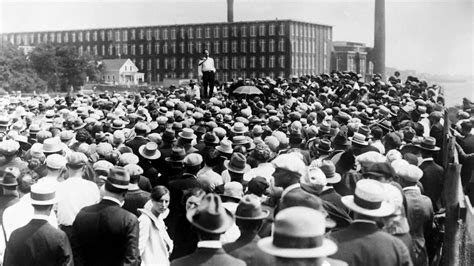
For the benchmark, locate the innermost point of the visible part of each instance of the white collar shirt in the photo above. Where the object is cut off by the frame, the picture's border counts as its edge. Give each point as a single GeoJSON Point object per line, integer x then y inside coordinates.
{"type": "Point", "coordinates": [207, 64]}
{"type": "Point", "coordinates": [288, 189]}
{"type": "Point", "coordinates": [209, 244]}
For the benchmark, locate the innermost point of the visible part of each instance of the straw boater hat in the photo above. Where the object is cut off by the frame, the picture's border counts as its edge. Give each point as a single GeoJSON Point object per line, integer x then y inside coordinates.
{"type": "Point", "coordinates": [211, 216]}
{"type": "Point", "coordinates": [187, 133]}
{"type": "Point", "coordinates": [298, 233]}
{"type": "Point", "coordinates": [42, 194]}
{"type": "Point", "coordinates": [177, 155]}
{"type": "Point", "coordinates": [359, 139]}
{"type": "Point", "coordinates": [149, 151]}
{"type": "Point", "coordinates": [368, 199]}
{"type": "Point", "coordinates": [428, 144]}
{"type": "Point", "coordinates": [239, 128]}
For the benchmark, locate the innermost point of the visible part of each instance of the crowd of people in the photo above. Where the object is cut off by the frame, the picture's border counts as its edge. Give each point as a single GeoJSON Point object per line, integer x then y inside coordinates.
{"type": "Point", "coordinates": [314, 170]}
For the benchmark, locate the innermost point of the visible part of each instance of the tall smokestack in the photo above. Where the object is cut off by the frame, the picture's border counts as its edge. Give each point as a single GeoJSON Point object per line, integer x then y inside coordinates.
{"type": "Point", "coordinates": [379, 38]}
{"type": "Point", "coordinates": [230, 10]}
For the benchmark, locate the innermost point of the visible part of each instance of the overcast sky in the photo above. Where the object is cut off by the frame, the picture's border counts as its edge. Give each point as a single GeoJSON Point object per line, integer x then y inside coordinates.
{"type": "Point", "coordinates": [425, 35]}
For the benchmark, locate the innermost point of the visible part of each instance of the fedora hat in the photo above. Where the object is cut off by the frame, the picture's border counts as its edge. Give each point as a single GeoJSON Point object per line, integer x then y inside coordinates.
{"type": "Point", "coordinates": [240, 140]}
{"type": "Point", "coordinates": [340, 140]}
{"type": "Point", "coordinates": [250, 208]}
{"type": "Point", "coordinates": [233, 192]}
{"type": "Point", "coordinates": [177, 155]}
{"type": "Point", "coordinates": [118, 177]}
{"type": "Point", "coordinates": [359, 138]}
{"type": "Point", "coordinates": [225, 147]}
{"type": "Point", "coordinates": [428, 144]}
{"type": "Point", "coordinates": [42, 194]}
{"type": "Point", "coordinates": [324, 128]}
{"type": "Point", "coordinates": [239, 128]}
{"type": "Point", "coordinates": [211, 216]}
{"type": "Point", "coordinates": [187, 133]}
{"type": "Point", "coordinates": [210, 138]}
{"type": "Point", "coordinates": [10, 176]}
{"type": "Point", "coordinates": [324, 146]}
{"type": "Point", "coordinates": [298, 233]}
{"type": "Point", "coordinates": [237, 163]}
{"type": "Point", "coordinates": [329, 170]}
{"type": "Point", "coordinates": [52, 145]}
{"type": "Point", "coordinates": [386, 125]}
{"type": "Point", "coordinates": [149, 151]}
{"type": "Point", "coordinates": [368, 199]}
{"type": "Point", "coordinates": [364, 130]}
{"type": "Point", "coordinates": [78, 124]}
{"type": "Point", "coordinates": [169, 136]}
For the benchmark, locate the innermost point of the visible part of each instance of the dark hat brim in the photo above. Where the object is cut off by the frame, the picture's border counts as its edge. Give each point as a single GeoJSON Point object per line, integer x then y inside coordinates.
{"type": "Point", "coordinates": [228, 221]}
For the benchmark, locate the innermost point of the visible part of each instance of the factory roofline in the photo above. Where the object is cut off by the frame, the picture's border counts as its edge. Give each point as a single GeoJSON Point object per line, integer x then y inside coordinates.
{"type": "Point", "coordinates": [171, 25]}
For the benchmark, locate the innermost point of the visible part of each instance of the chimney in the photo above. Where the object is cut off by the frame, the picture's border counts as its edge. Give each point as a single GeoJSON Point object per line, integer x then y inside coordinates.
{"type": "Point", "coordinates": [230, 10]}
{"type": "Point", "coordinates": [379, 38]}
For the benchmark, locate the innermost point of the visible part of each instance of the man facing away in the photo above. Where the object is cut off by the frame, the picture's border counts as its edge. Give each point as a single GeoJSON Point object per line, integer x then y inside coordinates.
{"type": "Point", "coordinates": [207, 71]}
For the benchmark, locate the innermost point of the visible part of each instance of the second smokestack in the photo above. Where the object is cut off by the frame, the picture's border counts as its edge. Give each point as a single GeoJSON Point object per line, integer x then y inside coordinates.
{"type": "Point", "coordinates": [230, 10]}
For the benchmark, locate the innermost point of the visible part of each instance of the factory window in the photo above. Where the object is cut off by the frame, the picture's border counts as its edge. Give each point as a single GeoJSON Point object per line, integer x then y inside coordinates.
{"type": "Point", "coordinates": [157, 34]}
{"type": "Point", "coordinates": [271, 62]}
{"type": "Point", "coordinates": [271, 29]}
{"type": "Point", "coordinates": [117, 49]}
{"type": "Point", "coordinates": [216, 62]}
{"type": "Point", "coordinates": [38, 37]}
{"type": "Point", "coordinates": [271, 46]}
{"type": "Point", "coordinates": [80, 37]}
{"type": "Point", "coordinates": [253, 31]}
{"type": "Point", "coordinates": [158, 77]}
{"type": "Point", "coordinates": [225, 32]}
{"type": "Point", "coordinates": [243, 46]}
{"type": "Point", "coordinates": [148, 48]}
{"type": "Point", "coordinates": [243, 31]}
{"type": "Point", "coordinates": [45, 38]}
{"type": "Point", "coordinates": [181, 47]}
{"type": "Point", "coordinates": [103, 50]}
{"type": "Point", "coordinates": [148, 64]}
{"type": "Point", "coordinates": [234, 62]}
{"type": "Point", "coordinates": [165, 34]}
{"type": "Point", "coordinates": [225, 47]}
{"type": "Point", "coordinates": [198, 32]}
{"type": "Point", "coordinates": [157, 63]}
{"type": "Point", "coordinates": [94, 36]}
{"type": "Point", "coordinates": [181, 63]}
{"type": "Point", "coordinates": [117, 36]}
{"type": "Point", "coordinates": [252, 62]}
{"type": "Point", "coordinates": [261, 30]}
{"type": "Point", "coordinates": [165, 66]}
{"type": "Point", "coordinates": [95, 50]}
{"type": "Point", "coordinates": [66, 37]}
{"type": "Point", "coordinates": [165, 48]}
{"type": "Point", "coordinates": [173, 63]}
{"type": "Point", "coordinates": [253, 46]}
{"type": "Point", "coordinates": [216, 47]}
{"type": "Point", "coordinates": [51, 38]}
{"type": "Point", "coordinates": [281, 61]}
{"type": "Point", "coordinates": [111, 50]}
{"type": "Point", "coordinates": [262, 61]}
{"type": "Point", "coordinates": [234, 75]}
{"type": "Point", "coordinates": [198, 47]}
{"type": "Point", "coordinates": [225, 62]}
{"type": "Point", "coordinates": [102, 35]}
{"type": "Point", "coordinates": [157, 48]}
{"type": "Point", "coordinates": [243, 62]}
{"type": "Point", "coordinates": [234, 47]}
{"type": "Point", "coordinates": [141, 64]}
{"type": "Point", "coordinates": [140, 48]}
{"type": "Point", "coordinates": [190, 47]}
{"type": "Point", "coordinates": [88, 36]}
{"type": "Point", "coordinates": [207, 45]}
{"type": "Point", "coordinates": [191, 64]}
{"type": "Point", "coordinates": [325, 48]}
{"type": "Point", "coordinates": [109, 35]}
{"type": "Point", "coordinates": [58, 38]}
{"type": "Point", "coordinates": [173, 34]}
{"type": "Point", "coordinates": [132, 49]}
{"type": "Point", "coordinates": [225, 76]}
{"type": "Point", "coordinates": [281, 45]}
{"type": "Point", "coordinates": [173, 47]}
{"type": "Point", "coordinates": [80, 50]}
{"type": "Point", "coordinates": [141, 34]}
{"type": "Point", "coordinates": [216, 32]}
{"type": "Point", "coordinates": [190, 33]}
{"type": "Point", "coordinates": [234, 31]}
{"type": "Point", "coordinates": [262, 46]}
{"type": "Point", "coordinates": [207, 32]}
{"type": "Point", "coordinates": [148, 35]}
{"type": "Point", "coordinates": [125, 49]}
{"type": "Point", "coordinates": [182, 33]}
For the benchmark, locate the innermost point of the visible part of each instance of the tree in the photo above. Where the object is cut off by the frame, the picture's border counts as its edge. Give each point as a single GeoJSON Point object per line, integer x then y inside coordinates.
{"type": "Point", "coordinates": [62, 67]}
{"type": "Point", "coordinates": [16, 72]}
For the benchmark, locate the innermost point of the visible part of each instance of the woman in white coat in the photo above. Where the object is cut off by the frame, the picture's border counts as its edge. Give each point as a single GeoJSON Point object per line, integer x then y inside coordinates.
{"type": "Point", "coordinates": [154, 242]}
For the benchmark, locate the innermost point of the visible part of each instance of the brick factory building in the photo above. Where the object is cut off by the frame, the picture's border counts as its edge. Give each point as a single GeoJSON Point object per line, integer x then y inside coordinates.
{"type": "Point", "coordinates": [241, 49]}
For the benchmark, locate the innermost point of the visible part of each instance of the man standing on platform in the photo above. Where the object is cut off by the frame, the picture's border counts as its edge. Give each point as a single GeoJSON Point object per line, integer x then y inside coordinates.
{"type": "Point", "coordinates": [207, 71]}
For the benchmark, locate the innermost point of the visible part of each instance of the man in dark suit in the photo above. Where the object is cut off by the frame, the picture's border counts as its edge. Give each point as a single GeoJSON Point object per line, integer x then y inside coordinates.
{"type": "Point", "coordinates": [249, 218]}
{"type": "Point", "coordinates": [467, 144]}
{"type": "Point", "coordinates": [141, 129]}
{"type": "Point", "coordinates": [363, 243]}
{"type": "Point", "coordinates": [436, 131]}
{"type": "Point", "coordinates": [211, 220]}
{"type": "Point", "coordinates": [419, 212]}
{"type": "Point", "coordinates": [38, 242]}
{"type": "Point", "coordinates": [432, 179]}
{"type": "Point", "coordinates": [104, 233]}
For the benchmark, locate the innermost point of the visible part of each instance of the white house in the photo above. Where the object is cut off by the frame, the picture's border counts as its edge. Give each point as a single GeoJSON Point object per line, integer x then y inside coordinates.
{"type": "Point", "coordinates": [121, 71]}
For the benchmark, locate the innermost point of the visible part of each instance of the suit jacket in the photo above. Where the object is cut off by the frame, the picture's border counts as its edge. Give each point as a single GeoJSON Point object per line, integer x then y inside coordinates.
{"type": "Point", "coordinates": [105, 234]}
{"type": "Point", "coordinates": [38, 243]}
{"type": "Point", "coordinates": [432, 182]}
{"type": "Point", "coordinates": [208, 256]}
{"type": "Point", "coordinates": [246, 249]}
{"type": "Point", "coordinates": [135, 143]}
{"type": "Point", "coordinates": [365, 244]}
{"type": "Point", "coordinates": [330, 195]}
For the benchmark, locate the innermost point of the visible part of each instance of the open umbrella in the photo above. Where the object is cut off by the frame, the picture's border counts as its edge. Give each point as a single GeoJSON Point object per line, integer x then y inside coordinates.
{"type": "Point", "coordinates": [248, 90]}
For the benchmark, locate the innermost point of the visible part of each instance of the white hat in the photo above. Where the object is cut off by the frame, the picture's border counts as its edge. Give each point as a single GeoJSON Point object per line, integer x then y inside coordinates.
{"type": "Point", "coordinates": [42, 194]}
{"type": "Point", "coordinates": [302, 226]}
{"type": "Point", "coordinates": [290, 162]}
{"type": "Point", "coordinates": [410, 173]}
{"type": "Point", "coordinates": [369, 199]}
{"type": "Point", "coordinates": [55, 161]}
